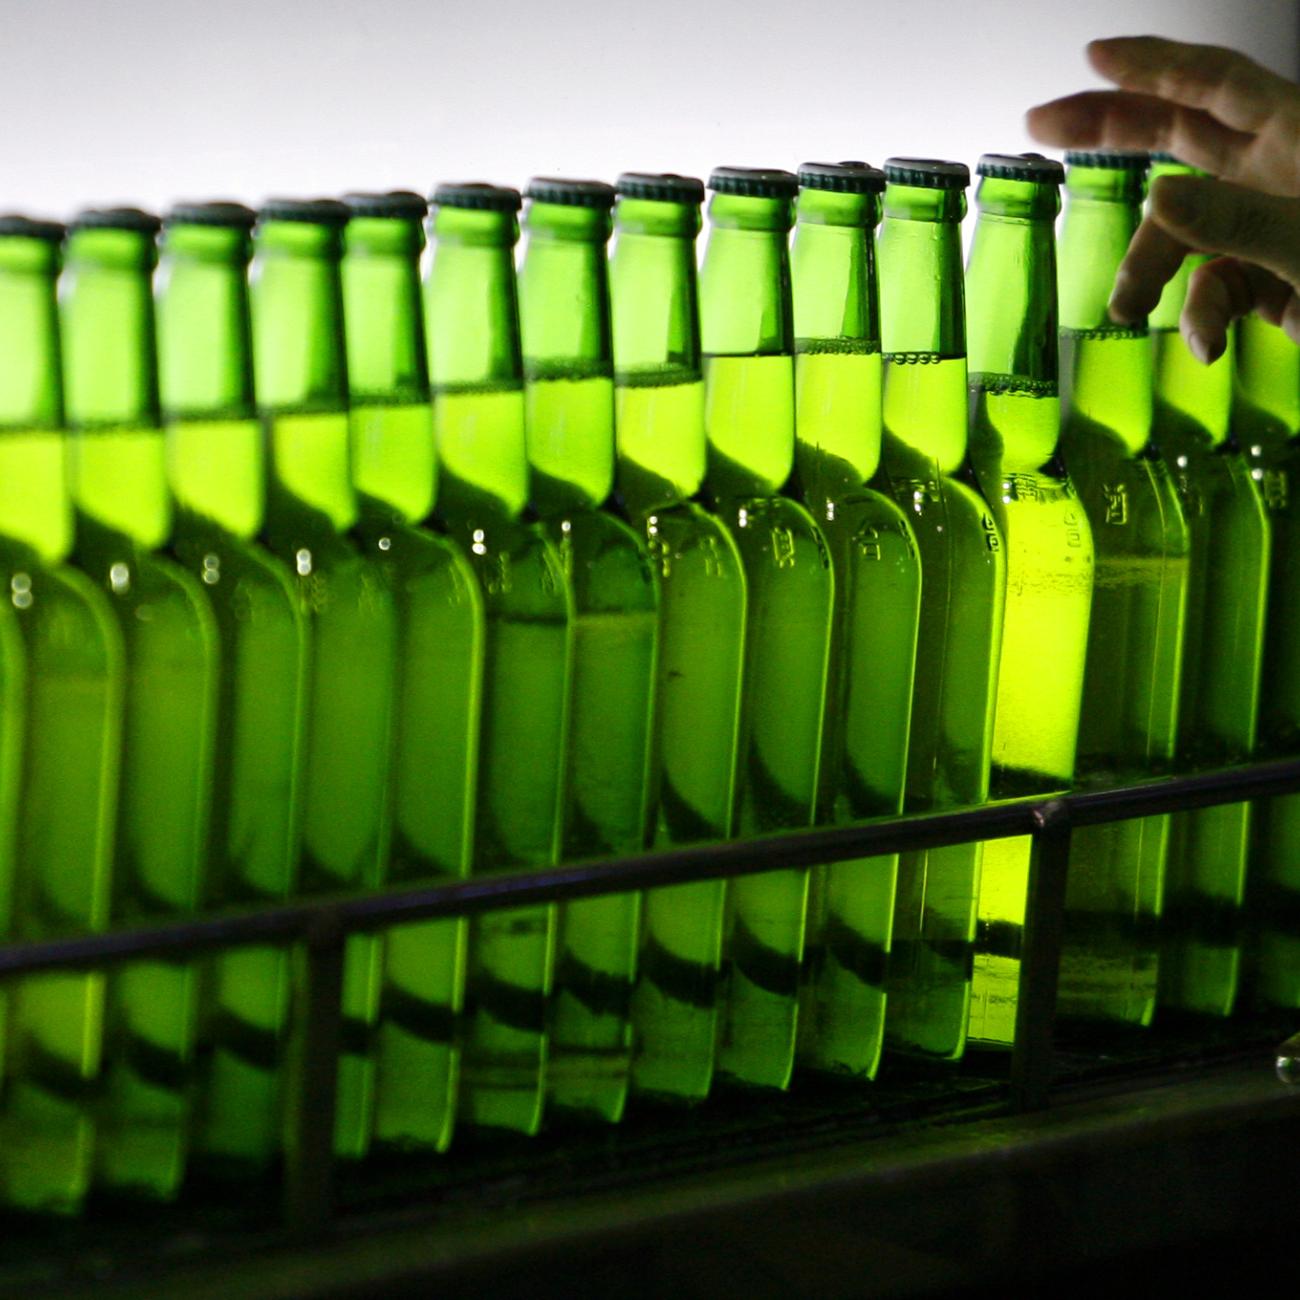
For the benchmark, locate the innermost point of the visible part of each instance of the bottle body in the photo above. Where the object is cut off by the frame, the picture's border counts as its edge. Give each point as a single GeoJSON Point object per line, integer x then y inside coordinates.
{"type": "Point", "coordinates": [1266, 414]}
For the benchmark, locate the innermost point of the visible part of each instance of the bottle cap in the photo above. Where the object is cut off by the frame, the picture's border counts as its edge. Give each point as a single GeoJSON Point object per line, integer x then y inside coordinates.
{"type": "Point", "coordinates": [143, 223]}
{"type": "Point", "coordinates": [572, 194]}
{"type": "Point", "coordinates": [929, 173]}
{"type": "Point", "coordinates": [1032, 167]}
{"type": "Point", "coordinates": [320, 212]}
{"type": "Point", "coordinates": [219, 212]}
{"type": "Point", "coordinates": [754, 182]}
{"type": "Point", "coordinates": [1126, 160]}
{"type": "Point", "coordinates": [401, 204]}
{"type": "Point", "coordinates": [843, 178]}
{"type": "Point", "coordinates": [477, 195]}
{"type": "Point", "coordinates": [663, 187]}
{"type": "Point", "coordinates": [14, 225]}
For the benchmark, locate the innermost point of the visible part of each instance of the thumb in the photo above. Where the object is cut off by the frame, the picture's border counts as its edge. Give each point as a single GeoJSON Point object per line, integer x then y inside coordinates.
{"type": "Point", "coordinates": [1213, 216]}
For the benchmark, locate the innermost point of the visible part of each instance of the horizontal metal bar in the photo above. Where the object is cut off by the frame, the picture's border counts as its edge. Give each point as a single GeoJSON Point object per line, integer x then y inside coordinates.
{"type": "Point", "coordinates": [290, 922]}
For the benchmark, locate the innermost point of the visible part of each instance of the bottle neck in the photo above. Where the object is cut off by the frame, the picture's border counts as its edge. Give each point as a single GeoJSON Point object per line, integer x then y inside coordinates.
{"type": "Point", "coordinates": [837, 344]}
{"type": "Point", "coordinates": [119, 480]}
{"type": "Point", "coordinates": [215, 462]}
{"type": "Point", "coordinates": [301, 368]}
{"type": "Point", "coordinates": [922, 329]}
{"type": "Point", "coordinates": [35, 511]}
{"type": "Point", "coordinates": [393, 463]}
{"type": "Point", "coordinates": [656, 342]}
{"type": "Point", "coordinates": [1187, 392]}
{"type": "Point", "coordinates": [1268, 384]}
{"type": "Point", "coordinates": [1106, 370]}
{"type": "Point", "coordinates": [747, 336]}
{"type": "Point", "coordinates": [474, 363]}
{"type": "Point", "coordinates": [1012, 324]}
{"type": "Point", "coordinates": [567, 354]}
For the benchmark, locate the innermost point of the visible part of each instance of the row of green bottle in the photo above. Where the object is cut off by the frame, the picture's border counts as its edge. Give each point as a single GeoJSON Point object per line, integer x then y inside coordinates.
{"type": "Point", "coordinates": [503, 569]}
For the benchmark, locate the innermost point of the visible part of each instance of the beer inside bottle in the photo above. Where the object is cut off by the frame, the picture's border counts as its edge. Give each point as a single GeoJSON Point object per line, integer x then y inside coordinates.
{"type": "Point", "coordinates": [1266, 417]}
{"type": "Point", "coordinates": [302, 395]}
{"type": "Point", "coordinates": [1014, 429]}
{"type": "Point", "coordinates": [962, 591]}
{"type": "Point", "coordinates": [439, 661]}
{"type": "Point", "coordinates": [476, 371]}
{"type": "Point", "coordinates": [124, 519]}
{"type": "Point", "coordinates": [1222, 652]}
{"type": "Point", "coordinates": [1132, 679]}
{"type": "Point", "coordinates": [659, 423]}
{"type": "Point", "coordinates": [569, 403]}
{"type": "Point", "coordinates": [217, 476]}
{"type": "Point", "coordinates": [877, 574]}
{"type": "Point", "coordinates": [747, 336]}
{"type": "Point", "coordinates": [61, 669]}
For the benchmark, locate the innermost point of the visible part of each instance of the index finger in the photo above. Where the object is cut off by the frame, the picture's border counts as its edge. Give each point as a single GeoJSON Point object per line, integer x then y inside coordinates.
{"type": "Point", "coordinates": [1226, 84]}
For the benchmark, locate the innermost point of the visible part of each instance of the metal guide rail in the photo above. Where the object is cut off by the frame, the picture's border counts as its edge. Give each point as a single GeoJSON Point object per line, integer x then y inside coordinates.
{"type": "Point", "coordinates": [322, 926]}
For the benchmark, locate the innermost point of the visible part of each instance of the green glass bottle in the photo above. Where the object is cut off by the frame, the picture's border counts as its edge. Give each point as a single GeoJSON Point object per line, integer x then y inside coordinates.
{"type": "Point", "coordinates": [659, 424]}
{"type": "Point", "coordinates": [877, 601]}
{"type": "Point", "coordinates": [1015, 427]}
{"type": "Point", "coordinates": [61, 667]}
{"type": "Point", "coordinates": [216, 470]}
{"type": "Point", "coordinates": [1222, 653]}
{"type": "Point", "coordinates": [569, 403]}
{"type": "Point", "coordinates": [477, 374]}
{"type": "Point", "coordinates": [1127, 724]}
{"type": "Point", "coordinates": [300, 366]}
{"type": "Point", "coordinates": [439, 661]}
{"type": "Point", "coordinates": [1266, 417]}
{"type": "Point", "coordinates": [747, 335]}
{"type": "Point", "coordinates": [923, 332]}
{"type": "Point", "coordinates": [124, 519]}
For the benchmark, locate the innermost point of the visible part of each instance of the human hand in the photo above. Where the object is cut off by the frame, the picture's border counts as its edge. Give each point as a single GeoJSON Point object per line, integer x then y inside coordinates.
{"type": "Point", "coordinates": [1217, 110]}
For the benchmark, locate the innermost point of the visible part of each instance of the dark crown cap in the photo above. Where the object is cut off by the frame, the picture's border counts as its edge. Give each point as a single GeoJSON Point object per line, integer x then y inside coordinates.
{"type": "Point", "coordinates": [929, 173]}
{"type": "Point", "coordinates": [754, 182]}
{"type": "Point", "coordinates": [1125, 160]}
{"type": "Point", "coordinates": [401, 204]}
{"type": "Point", "coordinates": [662, 187]}
{"type": "Point", "coordinates": [843, 178]}
{"type": "Point", "coordinates": [14, 225]}
{"type": "Point", "coordinates": [572, 194]}
{"type": "Point", "coordinates": [477, 195]}
{"type": "Point", "coordinates": [1031, 167]}
{"type": "Point", "coordinates": [319, 212]}
{"type": "Point", "coordinates": [133, 219]}
{"type": "Point", "coordinates": [219, 212]}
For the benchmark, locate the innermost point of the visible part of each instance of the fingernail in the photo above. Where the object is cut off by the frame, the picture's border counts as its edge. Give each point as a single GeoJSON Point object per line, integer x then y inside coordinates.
{"type": "Point", "coordinates": [1199, 346]}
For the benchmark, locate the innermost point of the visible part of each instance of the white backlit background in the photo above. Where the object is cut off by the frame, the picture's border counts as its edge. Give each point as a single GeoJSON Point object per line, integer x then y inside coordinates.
{"type": "Point", "coordinates": [102, 101]}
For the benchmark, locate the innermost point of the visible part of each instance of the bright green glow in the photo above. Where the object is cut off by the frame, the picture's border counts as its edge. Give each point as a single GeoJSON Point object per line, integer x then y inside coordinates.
{"type": "Point", "coordinates": [1222, 653]}
{"type": "Point", "coordinates": [119, 480]}
{"type": "Point", "coordinates": [310, 464]}
{"type": "Point", "coordinates": [215, 470]}
{"type": "Point", "coordinates": [837, 407]}
{"type": "Point", "coordinates": [1040, 674]}
{"type": "Point", "coordinates": [1106, 380]}
{"type": "Point", "coordinates": [748, 418]}
{"type": "Point", "coordinates": [480, 439]}
{"type": "Point", "coordinates": [392, 458]}
{"type": "Point", "coordinates": [1267, 419]}
{"type": "Point", "coordinates": [34, 504]}
{"type": "Point", "coordinates": [924, 405]}
{"type": "Point", "coordinates": [570, 423]}
{"type": "Point", "coordinates": [659, 416]}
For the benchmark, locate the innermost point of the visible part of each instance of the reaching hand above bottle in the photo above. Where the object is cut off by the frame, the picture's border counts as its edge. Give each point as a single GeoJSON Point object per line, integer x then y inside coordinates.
{"type": "Point", "coordinates": [1217, 110]}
